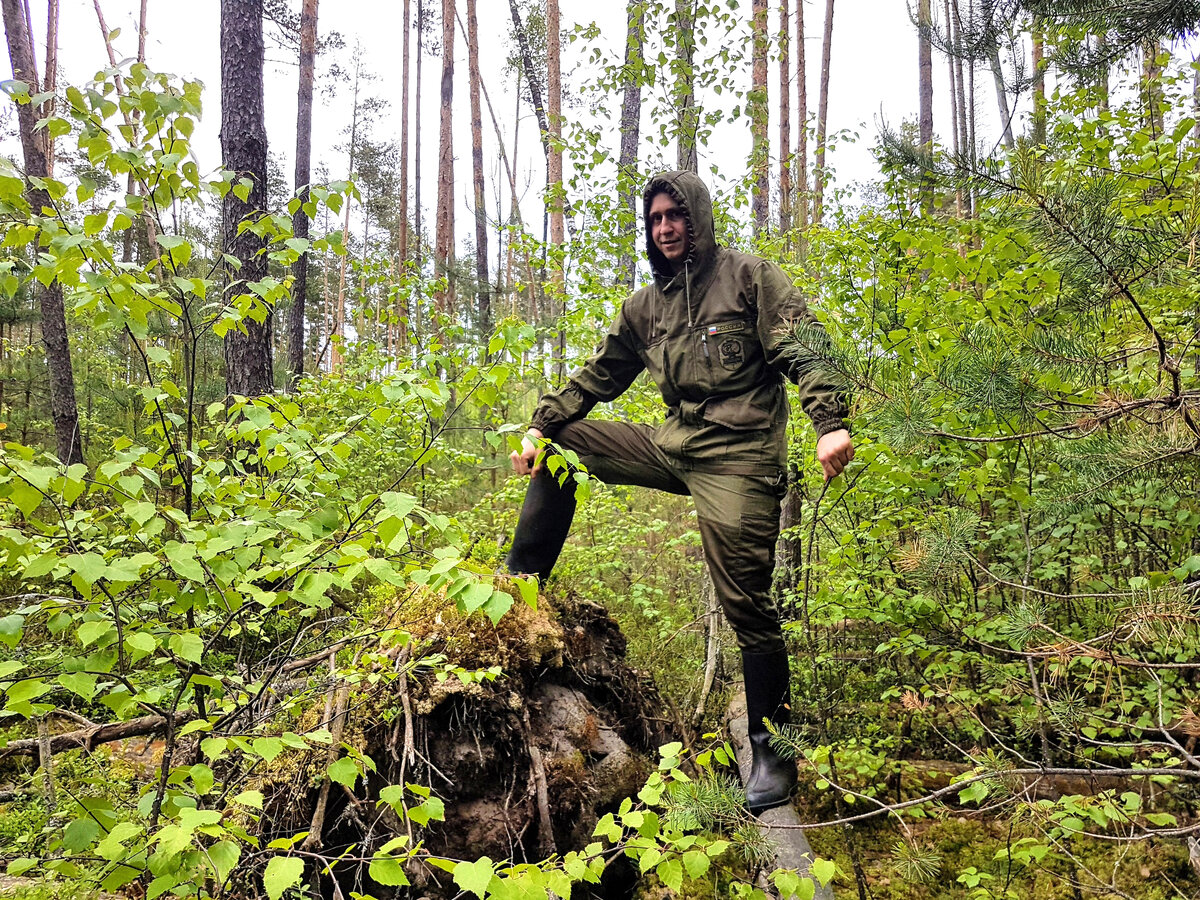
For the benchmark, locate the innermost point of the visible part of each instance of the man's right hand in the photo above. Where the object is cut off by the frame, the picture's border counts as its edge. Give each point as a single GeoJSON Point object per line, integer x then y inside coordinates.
{"type": "Point", "coordinates": [525, 461]}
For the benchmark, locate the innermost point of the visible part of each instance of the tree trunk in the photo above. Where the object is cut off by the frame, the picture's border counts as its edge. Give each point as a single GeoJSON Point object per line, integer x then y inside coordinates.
{"type": "Point", "coordinates": [338, 326]}
{"type": "Point", "coordinates": [688, 122]}
{"type": "Point", "coordinates": [443, 251]}
{"type": "Point", "coordinates": [925, 92]}
{"type": "Point", "coordinates": [1002, 98]}
{"type": "Point", "coordinates": [760, 197]}
{"type": "Point", "coordinates": [964, 141]}
{"type": "Point", "coordinates": [802, 121]}
{"type": "Point", "coordinates": [785, 121]}
{"type": "Point", "coordinates": [1152, 93]}
{"type": "Point", "coordinates": [535, 90]}
{"type": "Point", "coordinates": [304, 97]}
{"type": "Point", "coordinates": [822, 116]}
{"type": "Point", "coordinates": [64, 413]}
{"type": "Point", "coordinates": [418, 251]}
{"type": "Point", "coordinates": [244, 152]}
{"type": "Point", "coordinates": [555, 176]}
{"type": "Point", "coordinates": [481, 237]}
{"type": "Point", "coordinates": [51, 82]}
{"type": "Point", "coordinates": [402, 249]}
{"type": "Point", "coordinates": [631, 117]}
{"type": "Point", "coordinates": [952, 65]}
{"type": "Point", "coordinates": [1039, 84]}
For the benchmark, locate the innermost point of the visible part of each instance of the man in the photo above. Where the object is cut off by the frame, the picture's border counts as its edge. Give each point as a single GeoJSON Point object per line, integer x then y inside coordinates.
{"type": "Point", "coordinates": [709, 331]}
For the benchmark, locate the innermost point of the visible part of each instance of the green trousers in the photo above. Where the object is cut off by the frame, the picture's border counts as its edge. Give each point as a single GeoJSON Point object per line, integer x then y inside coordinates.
{"type": "Point", "coordinates": [737, 493]}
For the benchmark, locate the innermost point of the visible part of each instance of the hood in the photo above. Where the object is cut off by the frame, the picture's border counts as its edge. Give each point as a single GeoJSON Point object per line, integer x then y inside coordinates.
{"type": "Point", "coordinates": [688, 191]}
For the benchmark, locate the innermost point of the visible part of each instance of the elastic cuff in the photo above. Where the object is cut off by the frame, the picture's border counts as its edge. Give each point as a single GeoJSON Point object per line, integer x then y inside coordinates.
{"type": "Point", "coordinates": [828, 426]}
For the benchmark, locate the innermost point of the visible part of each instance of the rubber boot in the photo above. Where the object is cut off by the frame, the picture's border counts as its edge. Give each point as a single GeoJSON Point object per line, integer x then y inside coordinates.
{"type": "Point", "coordinates": [542, 528]}
{"type": "Point", "coordinates": [772, 778]}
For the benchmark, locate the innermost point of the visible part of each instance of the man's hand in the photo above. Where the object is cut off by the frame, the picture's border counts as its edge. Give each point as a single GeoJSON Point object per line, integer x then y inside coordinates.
{"type": "Point", "coordinates": [525, 461]}
{"type": "Point", "coordinates": [834, 452]}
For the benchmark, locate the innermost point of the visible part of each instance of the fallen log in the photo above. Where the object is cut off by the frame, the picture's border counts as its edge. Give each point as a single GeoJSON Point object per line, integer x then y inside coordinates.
{"type": "Point", "coordinates": [792, 850]}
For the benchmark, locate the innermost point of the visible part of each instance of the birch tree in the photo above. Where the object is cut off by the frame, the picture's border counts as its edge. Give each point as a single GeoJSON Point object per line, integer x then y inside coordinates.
{"type": "Point", "coordinates": [304, 98]}
{"type": "Point", "coordinates": [631, 115]}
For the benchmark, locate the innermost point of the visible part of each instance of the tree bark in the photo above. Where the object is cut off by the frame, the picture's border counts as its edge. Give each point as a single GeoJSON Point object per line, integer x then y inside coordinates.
{"type": "Point", "coordinates": [304, 98]}
{"type": "Point", "coordinates": [248, 370]}
{"type": "Point", "coordinates": [925, 91]}
{"type": "Point", "coordinates": [402, 250]}
{"type": "Point", "coordinates": [50, 84]}
{"type": "Point", "coordinates": [64, 413]}
{"type": "Point", "coordinates": [822, 116]}
{"type": "Point", "coordinates": [689, 114]}
{"type": "Point", "coordinates": [418, 250]}
{"type": "Point", "coordinates": [1002, 98]}
{"type": "Point", "coordinates": [554, 176]}
{"type": "Point", "coordinates": [483, 289]}
{"type": "Point", "coordinates": [1152, 92]}
{"type": "Point", "coordinates": [964, 140]}
{"type": "Point", "coordinates": [631, 118]}
{"type": "Point", "coordinates": [760, 197]}
{"type": "Point", "coordinates": [802, 122]}
{"type": "Point", "coordinates": [444, 237]}
{"type": "Point", "coordinates": [785, 120]}
{"type": "Point", "coordinates": [535, 90]}
{"type": "Point", "coordinates": [951, 62]}
{"type": "Point", "coordinates": [1039, 84]}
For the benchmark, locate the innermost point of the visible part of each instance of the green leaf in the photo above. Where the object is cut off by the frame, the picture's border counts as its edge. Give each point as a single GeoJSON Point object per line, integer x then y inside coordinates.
{"type": "Point", "coordinates": [90, 632]}
{"type": "Point", "coordinates": [10, 630]}
{"type": "Point", "coordinates": [90, 566]}
{"type": "Point", "coordinates": [344, 771]}
{"type": "Point", "coordinates": [79, 835]}
{"type": "Point", "coordinates": [671, 873]}
{"type": "Point", "coordinates": [824, 870]}
{"type": "Point", "coordinates": [141, 643]}
{"type": "Point", "coordinates": [282, 873]}
{"type": "Point", "coordinates": [387, 871]}
{"type": "Point", "coordinates": [20, 866]}
{"type": "Point", "coordinates": [268, 748]}
{"type": "Point", "coordinates": [186, 646]}
{"type": "Point", "coordinates": [80, 683]}
{"type": "Point", "coordinates": [475, 877]}
{"type": "Point", "coordinates": [696, 863]}
{"type": "Point", "coordinates": [528, 588]}
{"type": "Point", "coordinates": [499, 603]}
{"type": "Point", "coordinates": [475, 596]}
{"type": "Point", "coordinates": [252, 799]}
{"type": "Point", "coordinates": [182, 558]}
{"type": "Point", "coordinates": [224, 856]}
{"type": "Point", "coordinates": [29, 689]}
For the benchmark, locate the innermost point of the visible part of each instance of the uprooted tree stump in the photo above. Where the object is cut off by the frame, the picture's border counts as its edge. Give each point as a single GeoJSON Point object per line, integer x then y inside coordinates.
{"type": "Point", "coordinates": [792, 850]}
{"type": "Point", "coordinates": [525, 764]}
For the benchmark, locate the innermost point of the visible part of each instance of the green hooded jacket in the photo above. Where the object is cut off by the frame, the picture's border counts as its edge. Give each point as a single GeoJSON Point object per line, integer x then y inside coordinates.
{"type": "Point", "coordinates": [710, 338]}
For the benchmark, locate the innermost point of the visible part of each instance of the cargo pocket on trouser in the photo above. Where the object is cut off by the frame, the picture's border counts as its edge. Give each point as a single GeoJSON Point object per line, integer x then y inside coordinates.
{"type": "Point", "coordinates": [741, 560]}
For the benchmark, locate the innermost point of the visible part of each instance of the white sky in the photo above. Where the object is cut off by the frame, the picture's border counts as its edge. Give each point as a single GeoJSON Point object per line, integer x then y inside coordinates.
{"type": "Point", "coordinates": [873, 76]}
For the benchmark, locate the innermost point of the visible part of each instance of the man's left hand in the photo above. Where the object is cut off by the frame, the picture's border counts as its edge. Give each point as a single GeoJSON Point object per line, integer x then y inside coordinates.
{"type": "Point", "coordinates": [834, 452]}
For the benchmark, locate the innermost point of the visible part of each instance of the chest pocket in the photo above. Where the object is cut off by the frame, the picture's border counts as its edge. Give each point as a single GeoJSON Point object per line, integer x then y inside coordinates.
{"type": "Point", "coordinates": [728, 356]}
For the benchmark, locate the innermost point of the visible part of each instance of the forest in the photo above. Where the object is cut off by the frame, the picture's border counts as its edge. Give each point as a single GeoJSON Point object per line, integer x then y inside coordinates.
{"type": "Point", "coordinates": [257, 638]}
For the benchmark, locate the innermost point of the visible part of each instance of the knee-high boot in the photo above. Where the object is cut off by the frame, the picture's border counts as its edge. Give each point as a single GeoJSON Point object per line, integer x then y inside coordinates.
{"type": "Point", "coordinates": [772, 778]}
{"type": "Point", "coordinates": [542, 528]}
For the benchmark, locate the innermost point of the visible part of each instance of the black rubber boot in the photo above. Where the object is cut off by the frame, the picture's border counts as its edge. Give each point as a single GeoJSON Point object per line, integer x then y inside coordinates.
{"type": "Point", "coordinates": [772, 778]}
{"type": "Point", "coordinates": [543, 526]}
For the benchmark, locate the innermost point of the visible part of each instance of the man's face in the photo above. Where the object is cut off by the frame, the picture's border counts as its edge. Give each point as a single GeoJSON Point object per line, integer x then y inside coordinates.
{"type": "Point", "coordinates": [669, 229]}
